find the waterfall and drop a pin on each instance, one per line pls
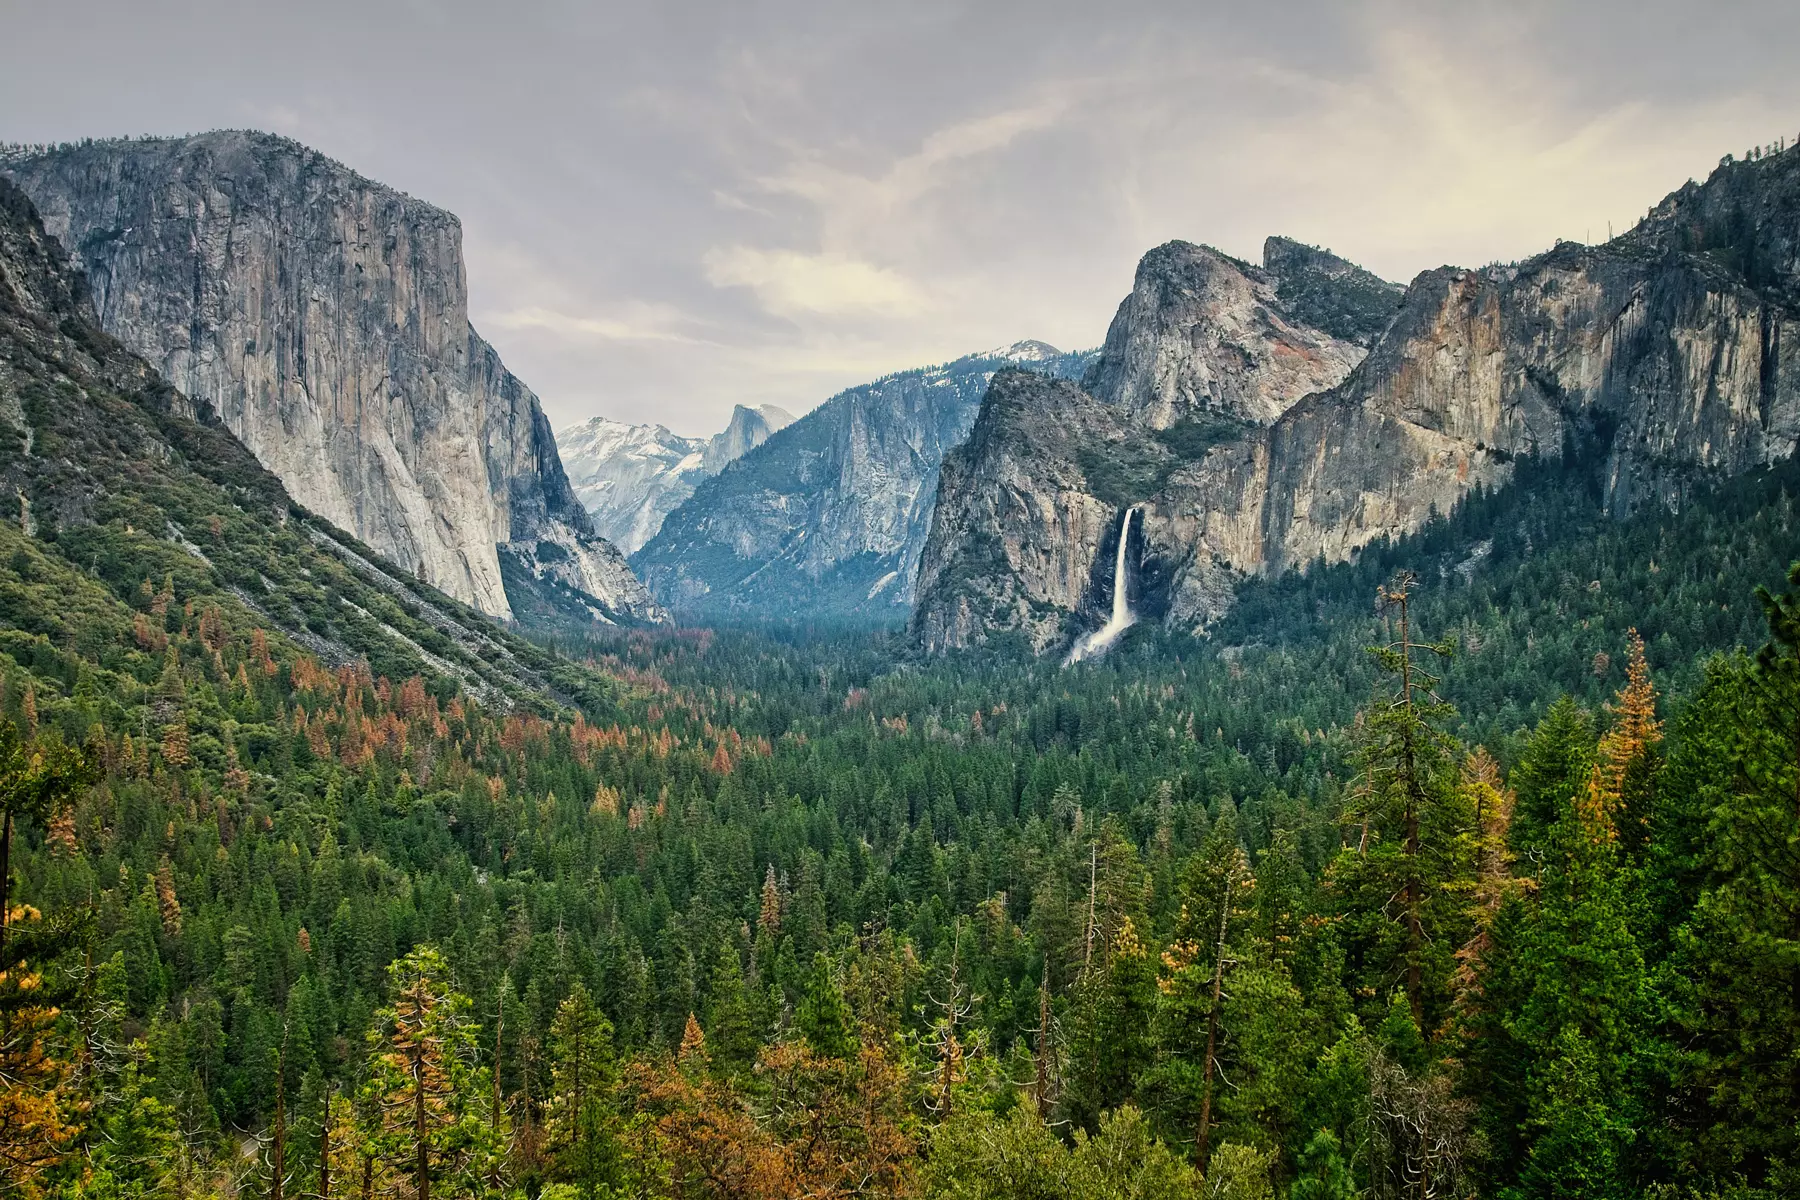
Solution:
(1093, 645)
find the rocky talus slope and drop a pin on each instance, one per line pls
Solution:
(834, 509)
(1671, 353)
(631, 477)
(324, 319)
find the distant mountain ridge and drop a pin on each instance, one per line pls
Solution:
(829, 515)
(631, 477)
(324, 318)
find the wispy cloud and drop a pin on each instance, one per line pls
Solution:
(790, 284)
(647, 328)
(866, 222)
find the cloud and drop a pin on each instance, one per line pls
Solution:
(847, 200)
(670, 209)
(647, 328)
(789, 284)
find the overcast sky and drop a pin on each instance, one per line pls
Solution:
(669, 208)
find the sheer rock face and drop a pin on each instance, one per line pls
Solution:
(1204, 342)
(1016, 532)
(631, 477)
(1205, 334)
(834, 509)
(1672, 352)
(324, 319)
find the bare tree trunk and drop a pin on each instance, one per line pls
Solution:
(1203, 1139)
(1042, 1083)
(5, 882)
(325, 1150)
(1415, 934)
(499, 1027)
(1087, 958)
(278, 1152)
(422, 1164)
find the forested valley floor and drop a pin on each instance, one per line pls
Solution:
(1508, 906)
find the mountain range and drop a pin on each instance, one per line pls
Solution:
(1238, 410)
(1260, 417)
(630, 477)
(835, 507)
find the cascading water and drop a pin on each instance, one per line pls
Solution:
(1093, 645)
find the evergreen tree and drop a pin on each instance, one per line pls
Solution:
(1736, 962)
(1113, 1037)
(426, 1089)
(823, 1017)
(730, 1036)
(1399, 884)
(580, 1135)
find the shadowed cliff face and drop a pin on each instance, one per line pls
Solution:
(114, 478)
(324, 319)
(1673, 352)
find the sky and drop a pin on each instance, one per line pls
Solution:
(670, 208)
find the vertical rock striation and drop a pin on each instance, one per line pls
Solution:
(1205, 334)
(1205, 350)
(324, 319)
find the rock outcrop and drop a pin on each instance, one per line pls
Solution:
(631, 477)
(1017, 529)
(1671, 354)
(836, 507)
(324, 319)
(1205, 350)
(1203, 334)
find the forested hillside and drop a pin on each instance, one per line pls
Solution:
(319, 888)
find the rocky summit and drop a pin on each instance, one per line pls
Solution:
(836, 506)
(1203, 334)
(631, 477)
(324, 319)
(1668, 354)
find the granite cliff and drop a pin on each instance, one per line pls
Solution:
(631, 477)
(1669, 355)
(836, 506)
(1204, 334)
(1205, 350)
(324, 319)
(136, 513)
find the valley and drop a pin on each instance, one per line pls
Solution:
(1334, 739)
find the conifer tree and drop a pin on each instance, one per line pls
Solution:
(729, 1034)
(1112, 1040)
(1735, 963)
(1398, 884)
(823, 1017)
(579, 1136)
(428, 1094)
